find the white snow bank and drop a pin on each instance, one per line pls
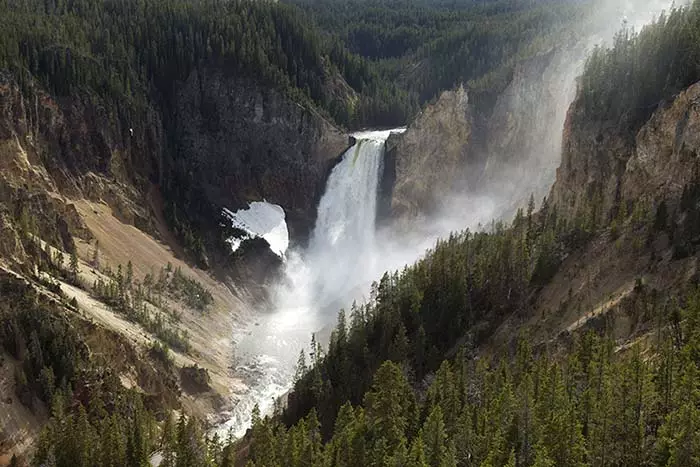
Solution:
(261, 219)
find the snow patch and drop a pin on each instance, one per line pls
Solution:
(261, 219)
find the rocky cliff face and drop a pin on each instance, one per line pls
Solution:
(604, 163)
(56, 149)
(667, 149)
(507, 155)
(594, 156)
(252, 143)
(75, 171)
(244, 142)
(428, 159)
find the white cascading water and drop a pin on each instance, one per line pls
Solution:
(345, 225)
(346, 252)
(328, 275)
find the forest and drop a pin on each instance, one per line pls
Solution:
(402, 382)
(128, 56)
(626, 82)
(429, 46)
(132, 52)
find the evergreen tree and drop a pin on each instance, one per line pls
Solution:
(434, 438)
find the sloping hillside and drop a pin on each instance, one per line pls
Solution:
(567, 337)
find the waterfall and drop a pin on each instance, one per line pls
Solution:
(345, 225)
(346, 252)
(336, 268)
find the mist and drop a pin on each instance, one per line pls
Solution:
(347, 252)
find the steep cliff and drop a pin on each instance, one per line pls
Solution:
(56, 149)
(427, 160)
(247, 142)
(507, 154)
(523, 134)
(234, 139)
(604, 163)
(86, 175)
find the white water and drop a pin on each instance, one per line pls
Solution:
(346, 252)
(331, 272)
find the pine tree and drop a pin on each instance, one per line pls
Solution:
(129, 278)
(390, 405)
(74, 267)
(542, 458)
(96, 255)
(168, 443)
(416, 456)
(300, 369)
(511, 459)
(434, 437)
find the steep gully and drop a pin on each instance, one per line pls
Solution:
(347, 251)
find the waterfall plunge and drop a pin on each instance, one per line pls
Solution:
(335, 269)
(346, 252)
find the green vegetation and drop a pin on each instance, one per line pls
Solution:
(131, 298)
(182, 288)
(385, 393)
(127, 53)
(124, 51)
(626, 82)
(46, 345)
(592, 407)
(134, 299)
(466, 285)
(403, 382)
(429, 46)
(94, 420)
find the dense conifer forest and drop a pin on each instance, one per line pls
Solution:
(127, 57)
(429, 46)
(626, 82)
(131, 52)
(402, 382)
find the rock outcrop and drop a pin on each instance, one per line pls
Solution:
(428, 159)
(605, 163)
(56, 149)
(524, 132)
(252, 143)
(507, 154)
(241, 141)
(667, 150)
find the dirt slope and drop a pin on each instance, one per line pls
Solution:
(119, 243)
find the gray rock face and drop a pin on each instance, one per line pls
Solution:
(64, 138)
(524, 132)
(247, 142)
(54, 149)
(667, 149)
(506, 155)
(253, 143)
(424, 163)
(593, 159)
(601, 160)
